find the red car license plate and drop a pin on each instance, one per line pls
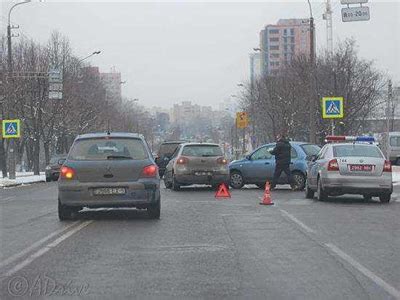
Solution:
(362, 168)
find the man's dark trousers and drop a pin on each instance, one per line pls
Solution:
(279, 168)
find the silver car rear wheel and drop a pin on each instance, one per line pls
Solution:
(309, 192)
(385, 198)
(321, 195)
(175, 185)
(236, 180)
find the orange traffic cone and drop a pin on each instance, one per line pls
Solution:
(267, 195)
(223, 191)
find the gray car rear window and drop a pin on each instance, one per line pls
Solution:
(202, 150)
(167, 149)
(310, 149)
(356, 151)
(101, 148)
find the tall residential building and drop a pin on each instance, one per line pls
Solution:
(281, 42)
(112, 84)
(185, 112)
(255, 66)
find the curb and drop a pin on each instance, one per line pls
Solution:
(18, 184)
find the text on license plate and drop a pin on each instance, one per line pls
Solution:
(362, 168)
(203, 173)
(109, 191)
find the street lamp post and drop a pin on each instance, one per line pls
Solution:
(12, 156)
(313, 108)
(90, 55)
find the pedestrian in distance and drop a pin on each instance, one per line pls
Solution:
(282, 152)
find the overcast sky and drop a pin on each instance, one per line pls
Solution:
(175, 51)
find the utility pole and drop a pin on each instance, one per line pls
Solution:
(12, 156)
(329, 27)
(244, 141)
(313, 108)
(388, 116)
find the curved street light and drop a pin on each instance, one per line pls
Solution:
(94, 53)
(12, 156)
(9, 46)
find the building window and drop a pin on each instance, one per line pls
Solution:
(273, 47)
(274, 31)
(285, 47)
(274, 39)
(291, 31)
(292, 40)
(292, 48)
(285, 39)
(274, 55)
(285, 31)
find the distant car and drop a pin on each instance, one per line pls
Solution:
(343, 168)
(53, 168)
(392, 148)
(196, 163)
(109, 170)
(259, 166)
(164, 154)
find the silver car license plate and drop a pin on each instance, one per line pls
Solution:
(361, 168)
(109, 191)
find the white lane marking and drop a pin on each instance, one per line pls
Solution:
(46, 248)
(375, 278)
(363, 270)
(297, 221)
(16, 256)
(7, 198)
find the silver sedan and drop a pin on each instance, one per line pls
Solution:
(345, 168)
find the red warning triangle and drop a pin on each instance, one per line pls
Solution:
(223, 191)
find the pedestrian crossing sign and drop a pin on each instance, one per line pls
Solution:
(332, 108)
(11, 129)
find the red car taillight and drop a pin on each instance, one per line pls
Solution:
(150, 171)
(387, 167)
(182, 160)
(67, 172)
(333, 165)
(222, 161)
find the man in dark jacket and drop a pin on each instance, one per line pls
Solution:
(282, 152)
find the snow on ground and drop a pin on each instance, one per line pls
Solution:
(22, 178)
(396, 174)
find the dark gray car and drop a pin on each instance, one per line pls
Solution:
(53, 168)
(109, 170)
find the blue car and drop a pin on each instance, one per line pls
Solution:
(259, 166)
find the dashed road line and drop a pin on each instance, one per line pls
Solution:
(366, 272)
(347, 258)
(24, 252)
(297, 221)
(46, 248)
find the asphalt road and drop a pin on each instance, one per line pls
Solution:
(344, 248)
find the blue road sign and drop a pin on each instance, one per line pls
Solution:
(332, 108)
(11, 129)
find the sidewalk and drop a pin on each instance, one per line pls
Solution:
(22, 178)
(396, 175)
